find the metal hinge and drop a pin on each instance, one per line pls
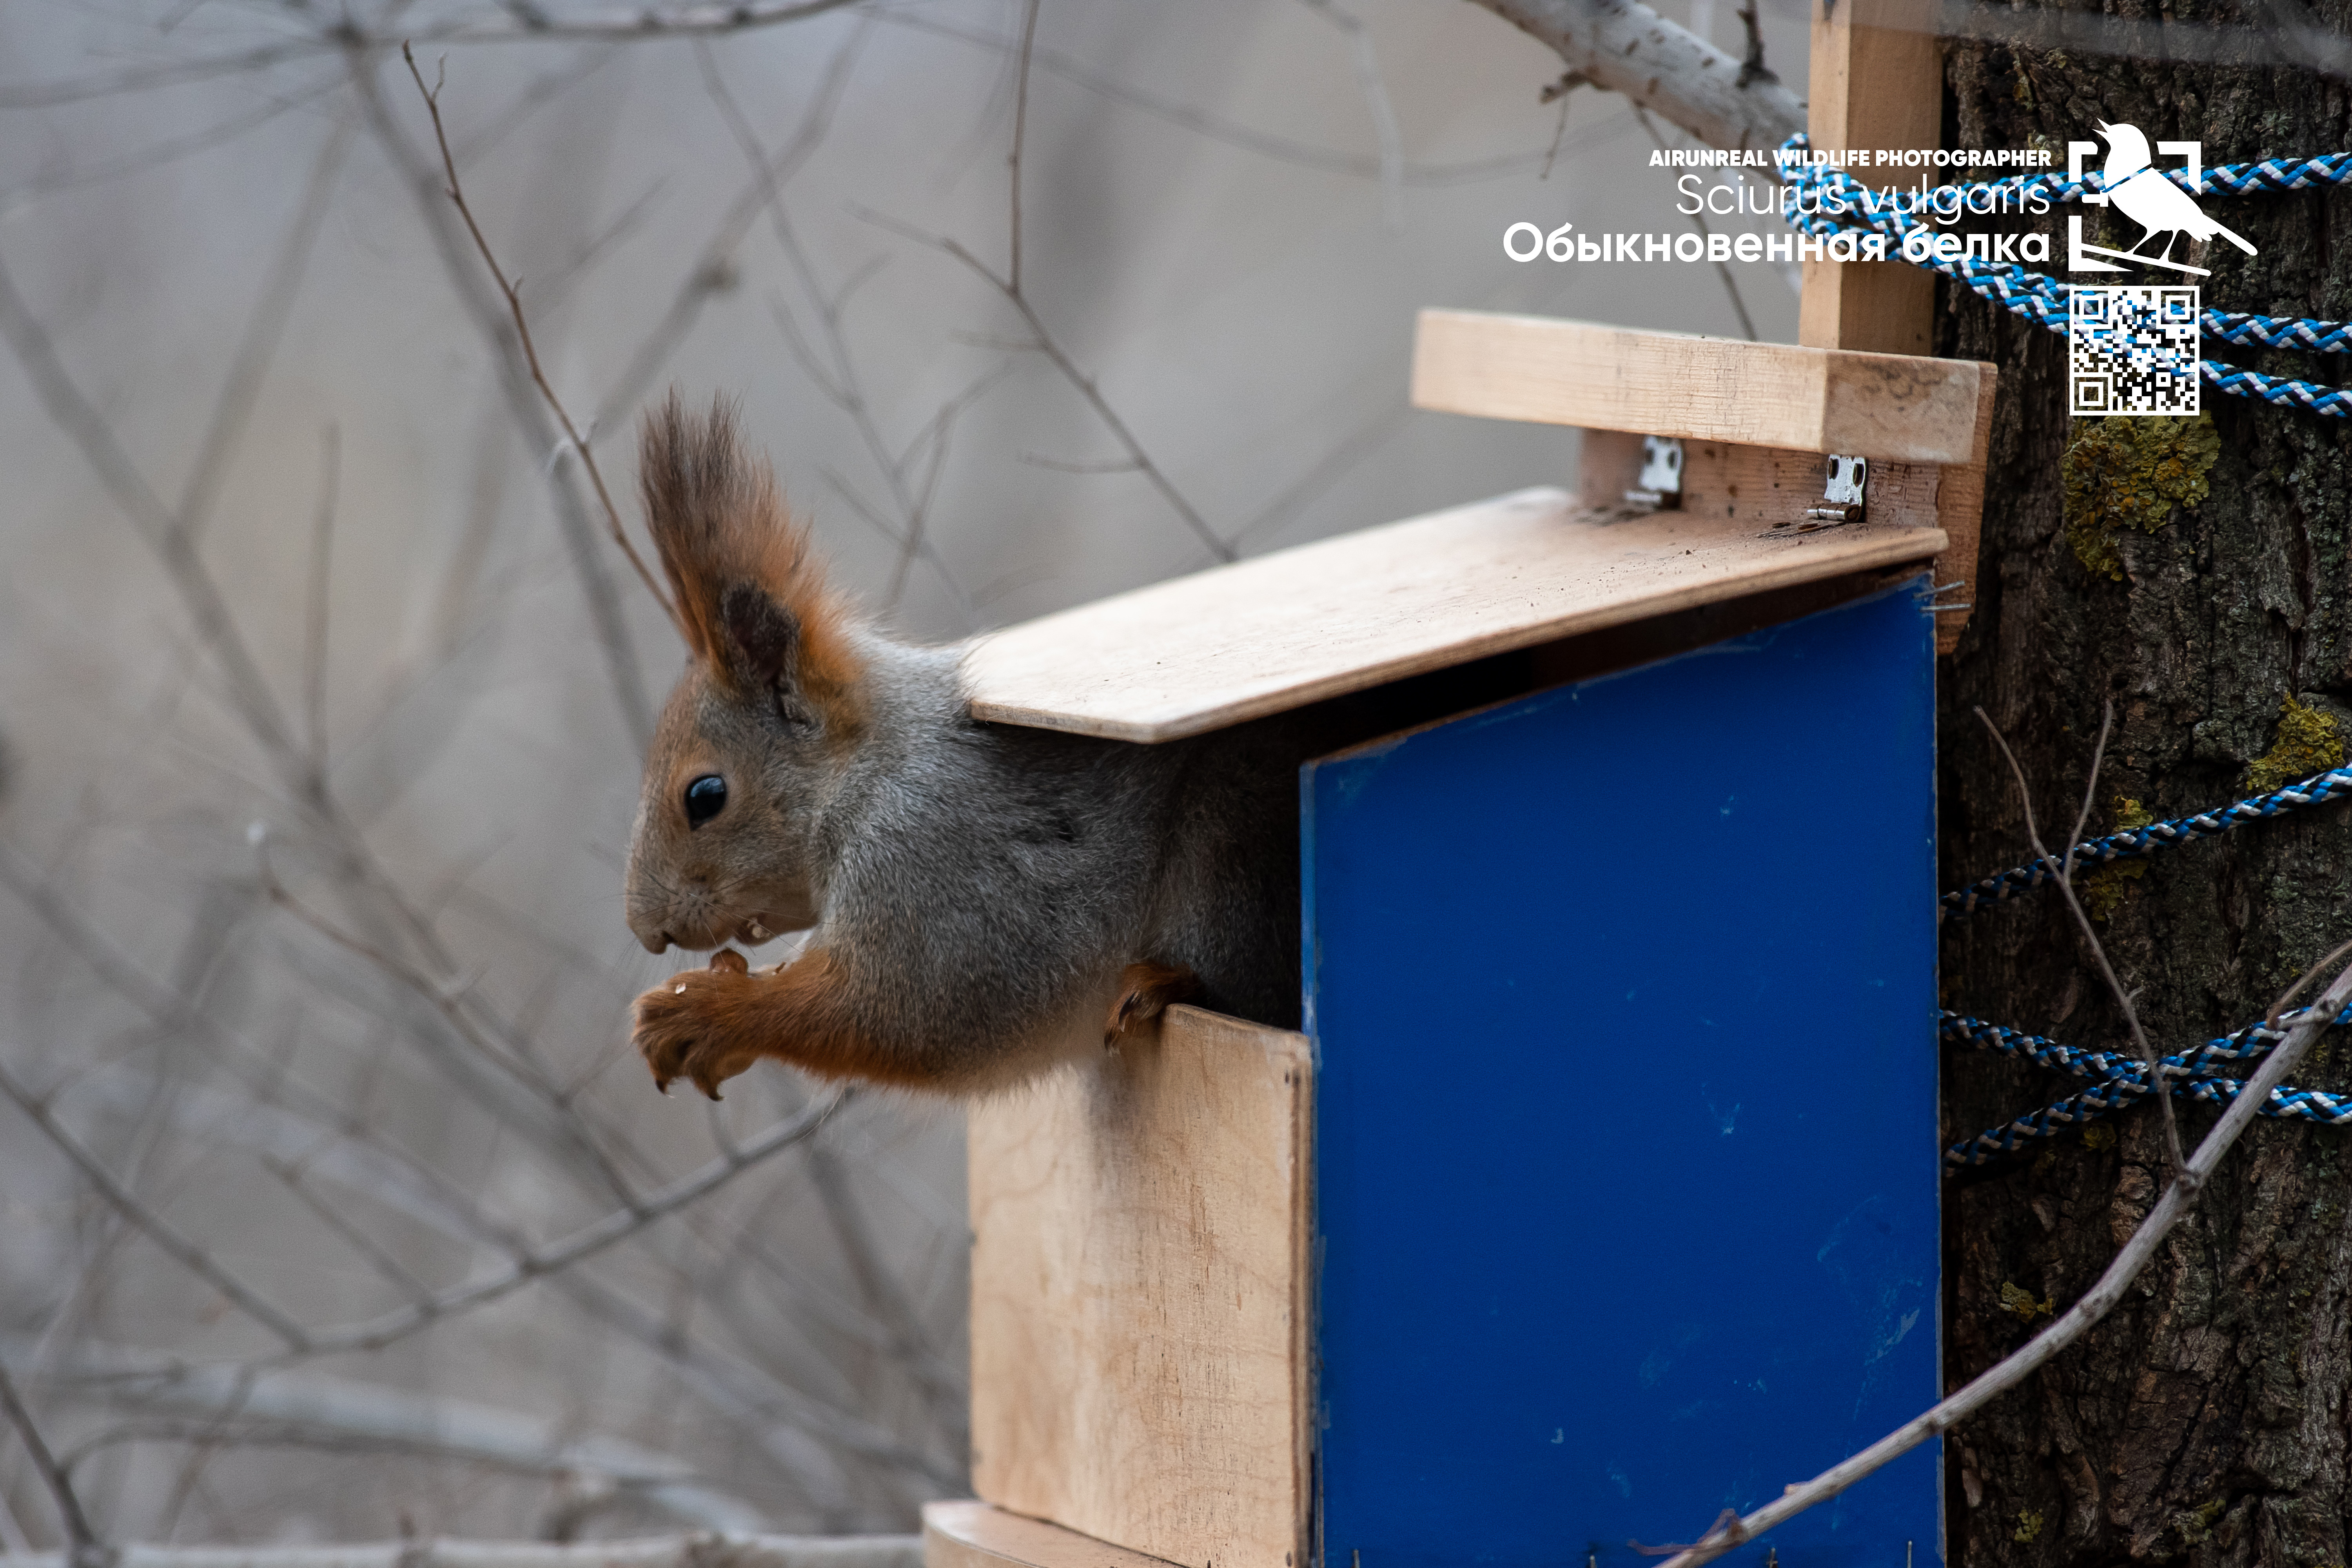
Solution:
(1659, 484)
(1846, 496)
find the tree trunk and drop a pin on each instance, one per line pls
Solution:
(2206, 1419)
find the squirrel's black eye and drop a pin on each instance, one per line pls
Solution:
(705, 798)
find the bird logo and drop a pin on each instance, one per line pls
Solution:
(2131, 182)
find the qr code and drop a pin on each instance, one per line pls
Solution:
(2132, 350)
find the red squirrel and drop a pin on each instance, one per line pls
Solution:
(984, 900)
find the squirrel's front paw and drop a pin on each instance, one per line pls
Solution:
(696, 1025)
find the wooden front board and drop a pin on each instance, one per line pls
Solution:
(1345, 615)
(1139, 1278)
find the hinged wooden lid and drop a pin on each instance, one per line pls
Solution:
(1344, 615)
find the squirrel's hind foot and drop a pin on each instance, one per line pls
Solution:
(1145, 991)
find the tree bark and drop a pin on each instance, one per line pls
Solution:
(2207, 1420)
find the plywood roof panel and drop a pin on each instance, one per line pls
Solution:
(1280, 631)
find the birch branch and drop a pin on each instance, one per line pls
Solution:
(1625, 47)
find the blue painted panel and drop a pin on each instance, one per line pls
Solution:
(1623, 997)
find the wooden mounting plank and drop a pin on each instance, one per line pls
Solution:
(1892, 407)
(1344, 615)
(979, 1535)
(1140, 1296)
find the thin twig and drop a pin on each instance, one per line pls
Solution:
(582, 532)
(1698, 222)
(1376, 101)
(181, 1250)
(2091, 782)
(2064, 869)
(272, 305)
(314, 619)
(525, 1265)
(840, 381)
(578, 444)
(1020, 128)
(83, 1547)
(714, 270)
(2071, 1325)
(358, 1240)
(1045, 344)
(445, 996)
(206, 606)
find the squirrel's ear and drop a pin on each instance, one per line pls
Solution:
(761, 647)
(750, 601)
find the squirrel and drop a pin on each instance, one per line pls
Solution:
(984, 900)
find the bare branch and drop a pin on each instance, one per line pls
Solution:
(1085, 383)
(225, 1406)
(1107, 466)
(526, 1265)
(82, 1547)
(1215, 128)
(99, 172)
(714, 270)
(634, 24)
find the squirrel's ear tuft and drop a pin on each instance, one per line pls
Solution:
(753, 602)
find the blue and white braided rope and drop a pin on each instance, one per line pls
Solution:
(2043, 299)
(2317, 790)
(2122, 1081)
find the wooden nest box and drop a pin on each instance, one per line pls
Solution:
(1600, 1193)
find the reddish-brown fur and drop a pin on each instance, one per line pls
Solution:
(709, 1025)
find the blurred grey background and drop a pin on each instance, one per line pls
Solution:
(291, 546)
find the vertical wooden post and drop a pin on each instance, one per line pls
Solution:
(1879, 88)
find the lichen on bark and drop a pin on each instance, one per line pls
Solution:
(2131, 472)
(2310, 741)
(2102, 888)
